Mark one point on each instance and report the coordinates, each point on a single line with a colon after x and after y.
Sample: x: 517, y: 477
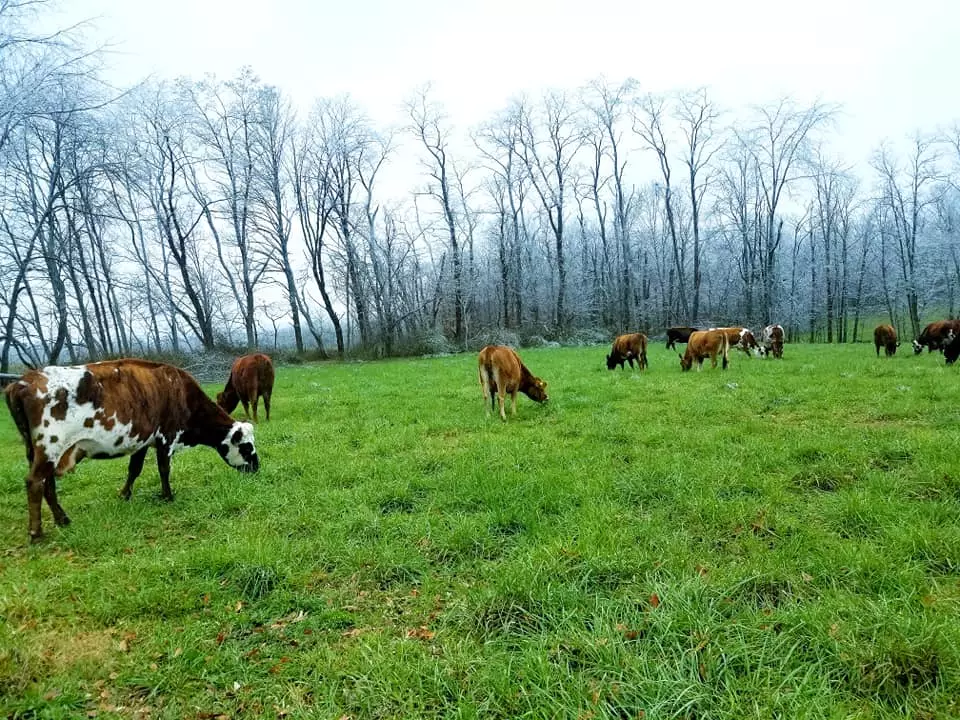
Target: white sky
x: 892, y: 64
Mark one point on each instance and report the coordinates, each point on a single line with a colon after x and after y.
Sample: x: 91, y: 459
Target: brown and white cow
x: 678, y: 335
x: 630, y: 347
x: 771, y: 341
x: 501, y: 372
x: 884, y: 336
x: 703, y: 344
x: 936, y: 335
x: 111, y: 409
x: 251, y: 378
x: 740, y: 338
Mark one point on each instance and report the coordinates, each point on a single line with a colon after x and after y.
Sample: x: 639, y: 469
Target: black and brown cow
x: 771, y: 341
x: 740, y: 338
x: 678, y: 335
x: 627, y: 348
x: 111, y: 409
x: 884, y: 336
x: 705, y: 344
x: 251, y: 378
x: 936, y: 335
x: 501, y: 371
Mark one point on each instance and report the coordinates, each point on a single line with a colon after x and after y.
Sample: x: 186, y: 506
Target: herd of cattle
x: 124, y: 407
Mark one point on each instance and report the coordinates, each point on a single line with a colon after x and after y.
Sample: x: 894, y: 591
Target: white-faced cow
x: 884, y: 336
x: 501, y: 371
x: 936, y: 335
x: 630, y: 347
x: 115, y: 408
x: 771, y: 341
x: 678, y: 335
x: 703, y: 344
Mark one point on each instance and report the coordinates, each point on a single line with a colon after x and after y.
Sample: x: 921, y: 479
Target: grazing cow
x: 936, y: 335
x: 115, y: 408
x: 740, y: 338
x: 628, y: 348
x: 884, y: 336
x: 250, y: 379
x: 703, y: 344
x: 502, y: 372
x: 771, y: 341
x: 678, y: 335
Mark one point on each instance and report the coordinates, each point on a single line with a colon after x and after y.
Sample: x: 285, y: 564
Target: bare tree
x: 777, y: 144
x: 226, y: 125
x: 429, y: 125
x: 908, y: 190
x: 698, y: 116
x: 550, y: 140
x: 648, y: 123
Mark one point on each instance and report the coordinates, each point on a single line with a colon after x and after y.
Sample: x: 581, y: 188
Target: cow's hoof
x: 166, y: 497
x: 124, y: 494
x: 62, y: 521
x: 36, y: 537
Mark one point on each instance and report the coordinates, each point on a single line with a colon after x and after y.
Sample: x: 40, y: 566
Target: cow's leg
x: 266, y: 403
x: 255, y: 398
x: 502, y: 399
x: 134, y: 470
x: 40, y: 471
x: 163, y: 465
x: 50, y: 493
x: 513, y: 402
x: 630, y: 360
x: 246, y: 408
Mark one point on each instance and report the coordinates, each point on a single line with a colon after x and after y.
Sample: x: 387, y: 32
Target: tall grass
x: 778, y: 540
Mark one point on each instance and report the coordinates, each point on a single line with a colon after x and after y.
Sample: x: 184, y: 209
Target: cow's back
x: 249, y: 368
x: 106, y: 409
x: 630, y: 344
x: 502, y: 362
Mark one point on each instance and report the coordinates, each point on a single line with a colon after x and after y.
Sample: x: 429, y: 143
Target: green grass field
x: 780, y: 540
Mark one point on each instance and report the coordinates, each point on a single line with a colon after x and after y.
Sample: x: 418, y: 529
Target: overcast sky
x: 892, y: 64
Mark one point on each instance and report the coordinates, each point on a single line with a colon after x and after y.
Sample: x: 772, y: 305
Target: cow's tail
x: 725, y: 347
x: 18, y: 412
x: 487, y: 383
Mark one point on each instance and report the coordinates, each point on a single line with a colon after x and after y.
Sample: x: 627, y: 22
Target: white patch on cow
x: 743, y: 331
x: 233, y: 456
x: 175, y: 446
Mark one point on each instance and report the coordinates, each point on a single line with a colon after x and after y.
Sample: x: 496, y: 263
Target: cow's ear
x: 236, y: 437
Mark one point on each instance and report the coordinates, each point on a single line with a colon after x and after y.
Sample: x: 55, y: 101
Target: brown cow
x: 740, y: 338
x: 250, y: 379
x: 678, y: 335
x: 771, y: 341
x: 884, y: 336
x: 115, y: 408
x: 627, y: 348
x: 703, y: 344
x: 501, y: 372
x: 936, y: 335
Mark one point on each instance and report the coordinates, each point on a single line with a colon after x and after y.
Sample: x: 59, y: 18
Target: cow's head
x: 917, y: 348
x: 538, y: 390
x: 237, y: 448
x: 228, y: 398
x: 611, y: 363
x: 685, y: 362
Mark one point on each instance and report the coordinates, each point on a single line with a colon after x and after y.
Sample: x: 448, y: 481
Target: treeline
x: 190, y: 214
